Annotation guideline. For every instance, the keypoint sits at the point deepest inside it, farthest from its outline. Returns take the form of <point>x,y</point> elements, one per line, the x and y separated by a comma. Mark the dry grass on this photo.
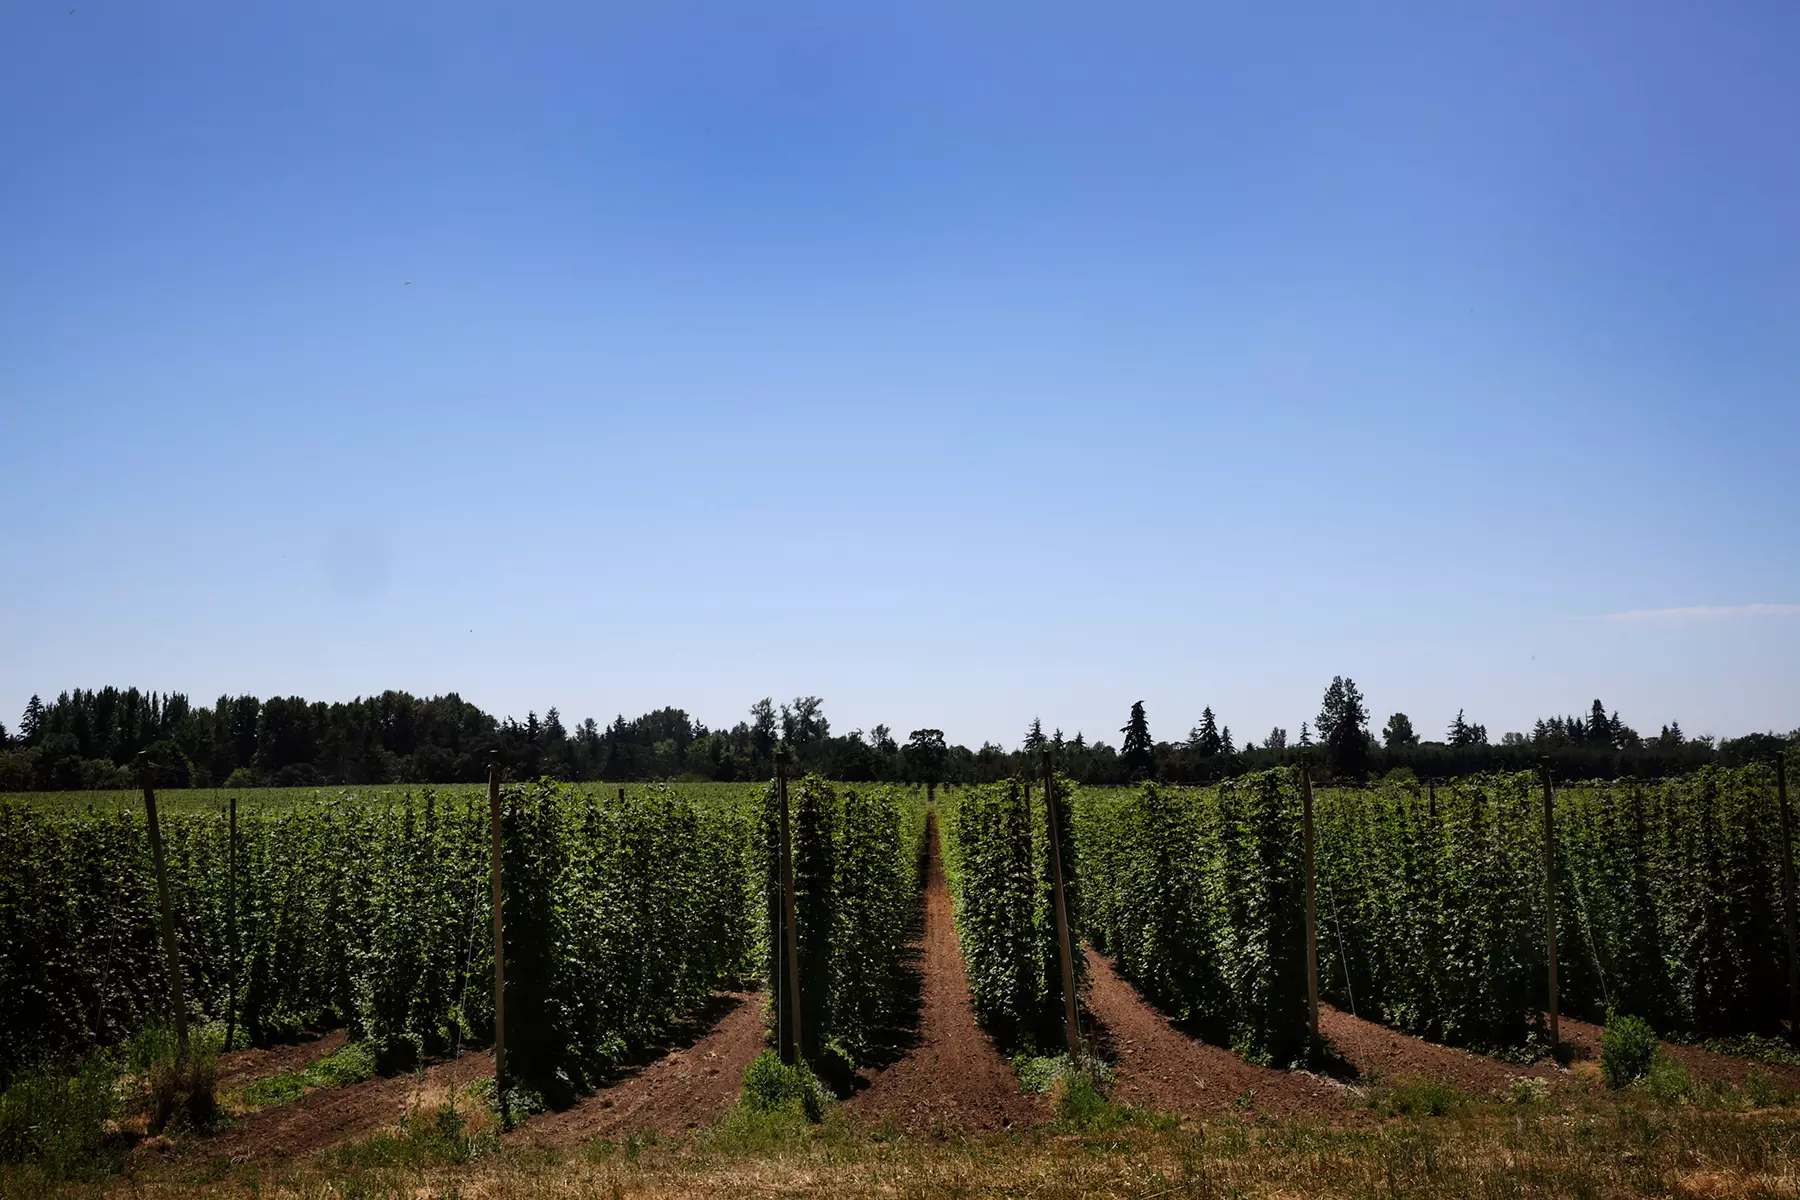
<point>1590,1146</point>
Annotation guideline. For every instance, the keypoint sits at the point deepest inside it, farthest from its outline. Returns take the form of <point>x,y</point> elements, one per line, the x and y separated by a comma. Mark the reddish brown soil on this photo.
<point>242,1067</point>
<point>329,1116</point>
<point>1703,1066</point>
<point>693,1084</point>
<point>1380,1053</point>
<point>953,1080</point>
<point>1161,1067</point>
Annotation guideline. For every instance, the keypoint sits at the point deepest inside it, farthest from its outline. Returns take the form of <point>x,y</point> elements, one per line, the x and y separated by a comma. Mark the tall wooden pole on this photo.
<point>1787,893</point>
<point>1550,905</point>
<point>1064,950</point>
<point>231,926</point>
<point>1312,918</point>
<point>499,941</point>
<point>177,990</point>
<point>795,1049</point>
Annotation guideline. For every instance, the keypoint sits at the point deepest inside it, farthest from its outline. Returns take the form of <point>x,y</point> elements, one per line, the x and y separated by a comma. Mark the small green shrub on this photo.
<point>1039,1074</point>
<point>1626,1049</point>
<point>770,1085</point>
<point>1668,1082</point>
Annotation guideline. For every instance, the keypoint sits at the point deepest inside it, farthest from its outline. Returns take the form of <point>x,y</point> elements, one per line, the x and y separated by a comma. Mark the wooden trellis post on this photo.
<point>792,1046</point>
<point>1312,920</point>
<point>499,942</point>
<point>177,989</point>
<point>1064,950</point>
<point>1550,905</point>
<point>231,975</point>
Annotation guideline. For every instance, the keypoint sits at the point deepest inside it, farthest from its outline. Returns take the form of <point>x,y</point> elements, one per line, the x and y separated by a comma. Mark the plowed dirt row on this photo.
<point>954,1079</point>
<point>330,1116</point>
<point>242,1067</point>
<point>1161,1067</point>
<point>693,1084</point>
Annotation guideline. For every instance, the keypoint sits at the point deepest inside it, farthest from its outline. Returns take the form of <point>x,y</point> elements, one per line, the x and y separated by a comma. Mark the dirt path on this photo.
<point>694,1084</point>
<point>1380,1053</point>
<point>329,1116</point>
<point>1161,1067</point>
<point>954,1079</point>
<point>242,1067</point>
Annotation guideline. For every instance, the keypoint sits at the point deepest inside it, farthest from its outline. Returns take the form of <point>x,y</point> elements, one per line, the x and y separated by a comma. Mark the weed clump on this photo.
<point>1627,1048</point>
<point>771,1086</point>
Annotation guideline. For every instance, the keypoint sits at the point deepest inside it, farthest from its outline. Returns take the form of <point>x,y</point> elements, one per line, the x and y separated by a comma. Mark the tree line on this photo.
<point>90,738</point>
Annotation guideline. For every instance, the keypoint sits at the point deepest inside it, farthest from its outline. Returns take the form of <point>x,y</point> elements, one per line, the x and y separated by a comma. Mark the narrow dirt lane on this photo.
<point>330,1116</point>
<point>1161,1067</point>
<point>694,1083</point>
<point>954,1080</point>
<point>242,1067</point>
<point>1380,1053</point>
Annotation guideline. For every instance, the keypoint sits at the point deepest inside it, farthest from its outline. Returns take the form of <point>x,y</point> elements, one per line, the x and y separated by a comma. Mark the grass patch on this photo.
<point>447,1135</point>
<point>1420,1098</point>
<point>351,1064</point>
<point>57,1120</point>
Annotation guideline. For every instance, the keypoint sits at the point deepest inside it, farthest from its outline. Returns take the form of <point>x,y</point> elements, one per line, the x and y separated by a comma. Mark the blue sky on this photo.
<point>956,363</point>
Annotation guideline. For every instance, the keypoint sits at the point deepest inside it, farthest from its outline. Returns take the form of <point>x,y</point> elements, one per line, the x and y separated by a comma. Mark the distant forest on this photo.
<point>90,739</point>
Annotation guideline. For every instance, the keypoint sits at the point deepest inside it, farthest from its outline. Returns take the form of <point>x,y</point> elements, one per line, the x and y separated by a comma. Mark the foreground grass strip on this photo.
<point>1594,1146</point>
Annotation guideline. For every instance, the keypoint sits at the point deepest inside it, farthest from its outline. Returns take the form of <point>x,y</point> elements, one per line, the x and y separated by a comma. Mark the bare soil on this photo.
<point>1162,1067</point>
<point>953,1079</point>
<point>329,1116</point>
<point>693,1083</point>
<point>1379,1053</point>
<point>242,1067</point>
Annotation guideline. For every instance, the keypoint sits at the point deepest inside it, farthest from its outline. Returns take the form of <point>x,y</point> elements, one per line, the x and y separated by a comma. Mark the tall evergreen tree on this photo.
<point>1343,726</point>
<point>1599,729</point>
<point>1277,739</point>
<point>1204,739</point>
<point>1034,736</point>
<point>31,725</point>
<point>1138,754</point>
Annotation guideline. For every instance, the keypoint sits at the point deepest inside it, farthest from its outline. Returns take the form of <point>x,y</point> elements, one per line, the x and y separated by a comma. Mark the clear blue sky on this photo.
<point>956,363</point>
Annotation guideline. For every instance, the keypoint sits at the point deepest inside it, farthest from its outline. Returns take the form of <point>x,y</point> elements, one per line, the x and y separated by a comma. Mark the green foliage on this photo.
<point>1431,904</point>
<point>623,915</point>
<point>1198,895</point>
<point>1627,1047</point>
<point>1759,1048</point>
<point>352,1064</point>
<point>1668,1082</point>
<point>771,1086</point>
<point>58,1119</point>
<point>996,851</point>
<point>856,882</point>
